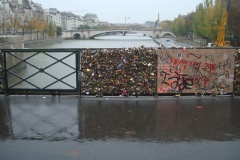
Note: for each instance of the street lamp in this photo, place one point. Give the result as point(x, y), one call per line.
point(125, 19)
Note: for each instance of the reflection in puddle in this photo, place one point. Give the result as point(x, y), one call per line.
point(159, 120)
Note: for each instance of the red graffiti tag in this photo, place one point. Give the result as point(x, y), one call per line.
point(191, 54)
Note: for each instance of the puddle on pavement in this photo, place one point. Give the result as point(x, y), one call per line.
point(162, 120)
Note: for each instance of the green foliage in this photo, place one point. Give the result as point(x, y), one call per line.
point(102, 27)
point(207, 19)
point(15, 22)
point(179, 27)
point(51, 29)
point(212, 19)
point(59, 31)
point(233, 25)
point(189, 22)
point(166, 25)
point(84, 27)
point(198, 21)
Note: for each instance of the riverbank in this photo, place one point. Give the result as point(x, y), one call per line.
point(18, 44)
point(27, 40)
point(43, 42)
point(187, 41)
point(177, 43)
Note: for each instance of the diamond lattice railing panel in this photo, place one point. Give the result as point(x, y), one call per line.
point(42, 70)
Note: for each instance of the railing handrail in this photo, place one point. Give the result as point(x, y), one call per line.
point(82, 49)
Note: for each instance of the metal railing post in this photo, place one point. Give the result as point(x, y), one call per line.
point(5, 73)
point(78, 72)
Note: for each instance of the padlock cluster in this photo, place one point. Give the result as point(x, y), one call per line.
point(109, 71)
point(237, 73)
point(1, 71)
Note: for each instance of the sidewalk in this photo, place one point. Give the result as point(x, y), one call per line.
point(106, 128)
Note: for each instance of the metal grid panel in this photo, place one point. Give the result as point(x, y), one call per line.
point(41, 70)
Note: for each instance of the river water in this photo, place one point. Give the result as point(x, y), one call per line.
point(47, 76)
point(115, 41)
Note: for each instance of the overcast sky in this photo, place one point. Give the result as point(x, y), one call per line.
point(115, 11)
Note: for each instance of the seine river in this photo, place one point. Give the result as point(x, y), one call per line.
point(116, 41)
point(45, 77)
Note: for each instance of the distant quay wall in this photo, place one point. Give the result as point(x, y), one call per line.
point(28, 40)
point(44, 42)
point(30, 44)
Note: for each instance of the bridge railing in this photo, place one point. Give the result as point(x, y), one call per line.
point(142, 71)
point(39, 70)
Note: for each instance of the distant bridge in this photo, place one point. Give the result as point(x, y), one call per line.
point(91, 33)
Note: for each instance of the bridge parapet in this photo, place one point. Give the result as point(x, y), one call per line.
point(88, 34)
point(144, 71)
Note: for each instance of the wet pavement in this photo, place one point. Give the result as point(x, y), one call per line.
point(68, 127)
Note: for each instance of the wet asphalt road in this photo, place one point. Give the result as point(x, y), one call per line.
point(143, 128)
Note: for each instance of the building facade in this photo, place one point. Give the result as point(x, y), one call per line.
point(24, 15)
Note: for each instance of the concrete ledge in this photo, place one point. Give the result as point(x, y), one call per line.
point(40, 43)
